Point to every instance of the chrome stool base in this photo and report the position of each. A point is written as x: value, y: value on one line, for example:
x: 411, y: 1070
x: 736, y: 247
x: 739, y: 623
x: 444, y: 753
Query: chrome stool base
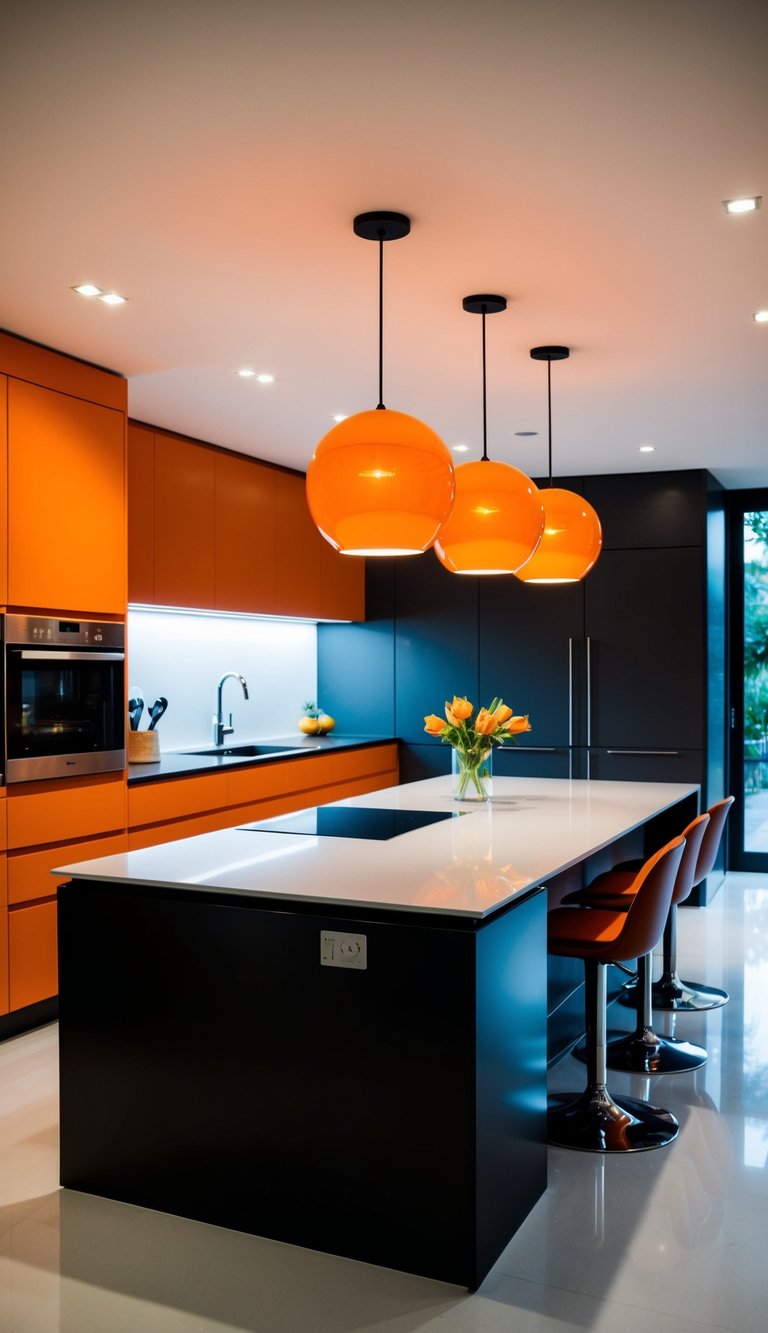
x: 597, y: 1122
x: 686, y: 997
x: 648, y: 1053
x: 644, y: 1051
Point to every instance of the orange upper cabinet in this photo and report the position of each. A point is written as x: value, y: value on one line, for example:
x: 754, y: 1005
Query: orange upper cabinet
x: 3, y: 490
x: 245, y: 535
x: 141, y: 515
x: 66, y: 502
x: 185, y: 523
x: 216, y: 530
x: 342, y: 585
x: 315, y: 577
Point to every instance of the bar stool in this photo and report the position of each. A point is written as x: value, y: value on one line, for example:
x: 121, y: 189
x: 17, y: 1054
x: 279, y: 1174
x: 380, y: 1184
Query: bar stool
x: 644, y: 1051
x: 595, y: 1121
x: 669, y: 992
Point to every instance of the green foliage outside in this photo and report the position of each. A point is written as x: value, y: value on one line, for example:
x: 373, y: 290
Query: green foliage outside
x: 756, y: 649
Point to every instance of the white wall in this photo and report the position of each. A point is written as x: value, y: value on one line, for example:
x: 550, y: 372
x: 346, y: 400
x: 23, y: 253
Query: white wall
x: 183, y: 656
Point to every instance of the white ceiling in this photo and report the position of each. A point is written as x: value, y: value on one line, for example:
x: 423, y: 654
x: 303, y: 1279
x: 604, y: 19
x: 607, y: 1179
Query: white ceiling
x: 206, y: 160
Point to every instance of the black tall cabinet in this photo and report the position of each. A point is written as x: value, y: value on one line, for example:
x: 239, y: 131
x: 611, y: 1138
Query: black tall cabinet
x: 622, y: 674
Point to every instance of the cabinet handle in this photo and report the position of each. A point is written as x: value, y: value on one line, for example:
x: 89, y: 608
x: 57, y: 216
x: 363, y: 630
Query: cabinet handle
x: 669, y: 752
x: 570, y: 708
x: 570, y: 693
x: 535, y: 749
x: 589, y: 706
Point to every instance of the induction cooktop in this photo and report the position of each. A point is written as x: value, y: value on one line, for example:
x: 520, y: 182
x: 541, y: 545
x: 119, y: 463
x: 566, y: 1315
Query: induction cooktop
x: 351, y: 822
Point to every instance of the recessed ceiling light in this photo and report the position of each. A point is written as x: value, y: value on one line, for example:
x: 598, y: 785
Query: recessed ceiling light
x: 526, y: 432
x: 265, y: 379
x: 87, y: 289
x: 246, y: 374
x: 647, y: 449
x: 460, y: 448
x: 742, y: 205
x: 340, y: 416
x: 112, y: 298
x: 760, y: 317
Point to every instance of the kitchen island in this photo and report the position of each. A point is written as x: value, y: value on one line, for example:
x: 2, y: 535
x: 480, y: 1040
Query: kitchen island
x: 330, y: 1028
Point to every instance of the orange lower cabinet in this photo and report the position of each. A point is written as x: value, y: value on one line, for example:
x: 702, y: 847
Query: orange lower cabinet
x: 178, y: 798
x: 29, y: 873
x: 46, y: 812
x: 4, y: 1001
x: 279, y: 779
x: 352, y: 764
x: 341, y: 791
x: 32, y: 962
x: 181, y: 828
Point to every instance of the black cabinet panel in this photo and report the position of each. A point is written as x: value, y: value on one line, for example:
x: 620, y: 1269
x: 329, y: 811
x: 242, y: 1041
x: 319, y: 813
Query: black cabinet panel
x: 519, y: 761
x: 432, y: 760
x: 531, y: 643
x: 356, y: 663
x: 436, y: 645
x: 660, y: 509
x: 645, y: 620
x: 683, y: 766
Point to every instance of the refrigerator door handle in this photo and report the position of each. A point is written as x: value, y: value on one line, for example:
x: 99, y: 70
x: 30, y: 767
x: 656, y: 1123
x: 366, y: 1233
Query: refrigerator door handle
x: 589, y: 705
x: 663, y: 752
x: 570, y: 707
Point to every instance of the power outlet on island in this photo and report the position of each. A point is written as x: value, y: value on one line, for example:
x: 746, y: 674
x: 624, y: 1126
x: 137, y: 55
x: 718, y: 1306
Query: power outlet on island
x: 338, y: 949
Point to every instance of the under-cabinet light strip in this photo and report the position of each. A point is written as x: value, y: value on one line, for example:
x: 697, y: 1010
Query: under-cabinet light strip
x: 237, y: 615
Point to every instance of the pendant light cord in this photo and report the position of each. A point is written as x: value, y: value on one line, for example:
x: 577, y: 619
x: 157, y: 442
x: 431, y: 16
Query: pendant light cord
x: 380, y: 404
x: 549, y: 415
x: 485, y: 411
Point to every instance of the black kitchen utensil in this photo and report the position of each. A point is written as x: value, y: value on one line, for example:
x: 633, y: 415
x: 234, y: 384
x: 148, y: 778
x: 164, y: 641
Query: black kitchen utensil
x: 135, y: 710
x: 156, y: 712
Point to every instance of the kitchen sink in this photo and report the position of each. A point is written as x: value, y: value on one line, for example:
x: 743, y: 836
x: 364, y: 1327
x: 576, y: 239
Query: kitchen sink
x: 248, y: 751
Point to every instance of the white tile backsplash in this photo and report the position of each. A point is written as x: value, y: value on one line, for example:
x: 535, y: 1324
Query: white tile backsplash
x: 183, y: 656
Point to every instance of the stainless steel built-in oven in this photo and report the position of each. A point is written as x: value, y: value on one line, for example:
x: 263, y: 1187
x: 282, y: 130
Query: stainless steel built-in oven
x: 64, y: 697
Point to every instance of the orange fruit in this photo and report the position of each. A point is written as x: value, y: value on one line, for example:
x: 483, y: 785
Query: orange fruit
x: 309, y: 725
x: 325, y: 722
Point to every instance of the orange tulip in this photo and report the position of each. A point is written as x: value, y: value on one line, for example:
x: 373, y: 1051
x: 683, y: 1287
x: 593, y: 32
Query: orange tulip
x: 457, y: 711
x: 501, y: 714
x: 434, y: 725
x: 516, y: 724
x: 484, y: 723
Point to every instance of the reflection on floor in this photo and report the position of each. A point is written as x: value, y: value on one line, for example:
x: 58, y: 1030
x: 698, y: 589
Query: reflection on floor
x: 675, y: 1240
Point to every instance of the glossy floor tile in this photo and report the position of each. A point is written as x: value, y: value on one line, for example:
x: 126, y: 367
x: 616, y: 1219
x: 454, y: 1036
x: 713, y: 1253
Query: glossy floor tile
x: 674, y: 1241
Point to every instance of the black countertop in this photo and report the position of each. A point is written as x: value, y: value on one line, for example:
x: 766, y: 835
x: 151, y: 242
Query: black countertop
x: 177, y: 763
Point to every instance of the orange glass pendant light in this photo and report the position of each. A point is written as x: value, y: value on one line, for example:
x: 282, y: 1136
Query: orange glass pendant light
x: 572, y: 538
x: 381, y: 482
x: 497, y: 517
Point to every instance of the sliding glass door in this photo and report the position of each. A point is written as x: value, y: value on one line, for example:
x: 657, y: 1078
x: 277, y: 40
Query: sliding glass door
x: 749, y: 691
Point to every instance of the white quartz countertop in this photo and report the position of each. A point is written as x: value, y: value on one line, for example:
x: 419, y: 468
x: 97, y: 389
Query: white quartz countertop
x: 467, y: 866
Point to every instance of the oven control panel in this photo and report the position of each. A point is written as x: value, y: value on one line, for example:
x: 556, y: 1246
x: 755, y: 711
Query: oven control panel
x: 57, y: 633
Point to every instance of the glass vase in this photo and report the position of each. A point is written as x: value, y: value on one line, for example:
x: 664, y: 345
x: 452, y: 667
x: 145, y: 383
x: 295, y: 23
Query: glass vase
x: 472, y: 775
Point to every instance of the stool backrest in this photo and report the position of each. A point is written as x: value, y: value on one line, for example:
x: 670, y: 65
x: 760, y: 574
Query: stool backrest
x: 709, y: 848
x: 694, y: 835
x: 647, y: 914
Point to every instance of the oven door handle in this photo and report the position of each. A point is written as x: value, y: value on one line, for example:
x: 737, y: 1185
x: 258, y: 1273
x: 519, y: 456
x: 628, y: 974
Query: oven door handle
x: 54, y: 655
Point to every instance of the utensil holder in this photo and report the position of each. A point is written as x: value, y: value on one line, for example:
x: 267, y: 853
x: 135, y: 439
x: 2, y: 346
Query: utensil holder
x: 143, y: 747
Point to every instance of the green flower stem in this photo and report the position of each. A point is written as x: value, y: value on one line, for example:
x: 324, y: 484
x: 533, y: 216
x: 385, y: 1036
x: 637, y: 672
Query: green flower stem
x: 470, y: 763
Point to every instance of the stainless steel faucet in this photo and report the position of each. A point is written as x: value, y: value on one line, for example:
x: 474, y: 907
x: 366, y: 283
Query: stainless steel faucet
x: 219, y: 729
